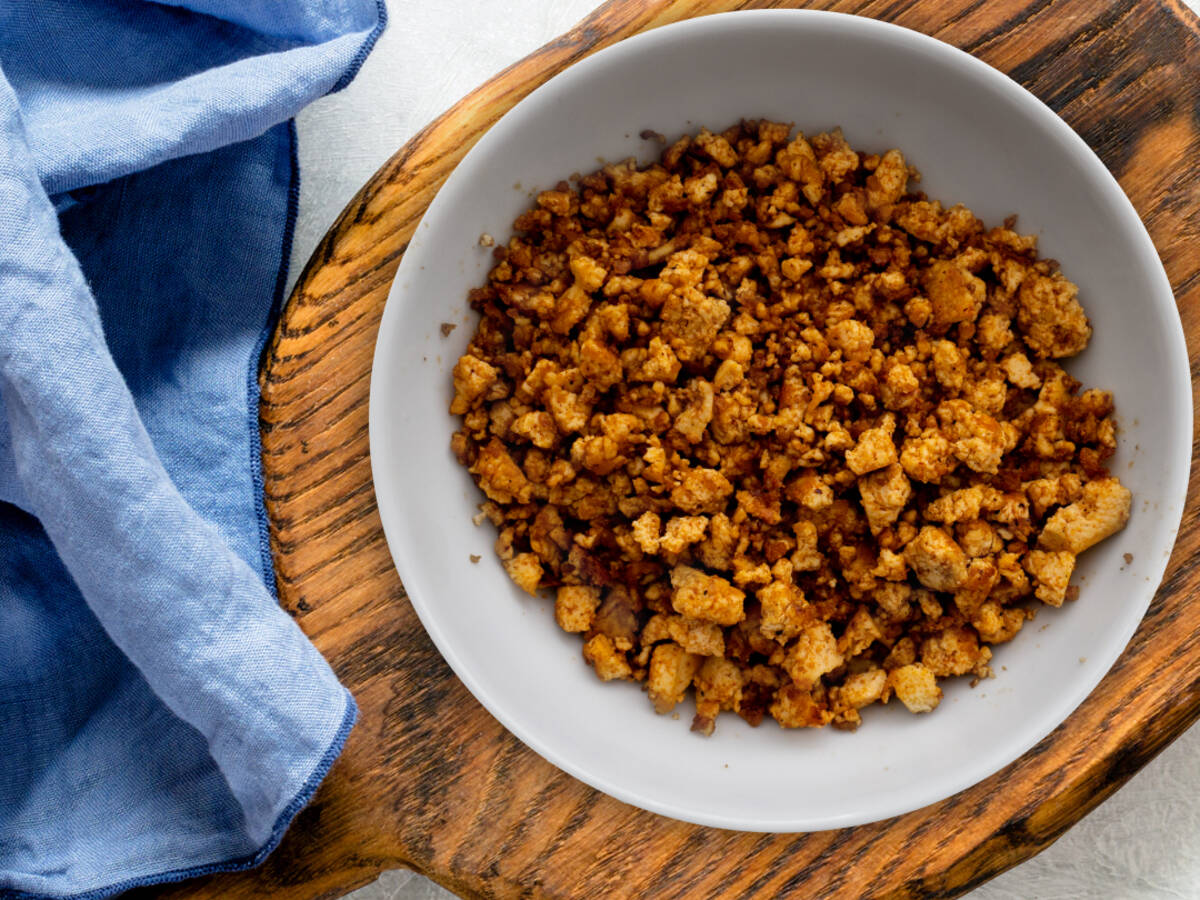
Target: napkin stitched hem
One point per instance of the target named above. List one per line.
(365, 50)
(273, 314)
(236, 865)
(276, 310)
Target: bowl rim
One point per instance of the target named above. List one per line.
(388, 492)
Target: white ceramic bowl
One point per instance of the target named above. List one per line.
(979, 139)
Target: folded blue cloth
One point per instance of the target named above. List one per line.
(160, 716)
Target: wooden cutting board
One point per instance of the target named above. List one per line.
(431, 781)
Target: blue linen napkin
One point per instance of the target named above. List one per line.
(160, 716)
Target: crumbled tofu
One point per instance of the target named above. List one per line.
(671, 672)
(860, 633)
(900, 387)
(1051, 319)
(599, 364)
(813, 654)
(692, 635)
(777, 432)
(838, 161)
(646, 530)
(575, 607)
(473, 378)
(806, 557)
(569, 410)
(888, 183)
(954, 651)
(978, 439)
(1044, 493)
(884, 495)
(939, 563)
(602, 654)
(890, 565)
(1102, 511)
(874, 450)
(659, 364)
(682, 532)
(794, 707)
(853, 338)
(810, 491)
(1019, 371)
(597, 453)
(927, 457)
(916, 687)
(701, 491)
(537, 427)
(693, 420)
(730, 374)
(863, 688)
(995, 624)
(691, 321)
(717, 148)
(1051, 571)
(949, 365)
(720, 680)
(962, 505)
(977, 538)
(785, 612)
(955, 295)
(500, 476)
(709, 598)
(526, 570)
(798, 162)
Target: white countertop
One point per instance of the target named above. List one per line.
(1142, 844)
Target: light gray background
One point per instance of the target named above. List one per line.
(1142, 844)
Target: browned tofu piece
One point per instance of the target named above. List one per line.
(575, 607)
(916, 687)
(708, 598)
(954, 293)
(884, 495)
(1049, 315)
(812, 654)
(1102, 511)
(671, 672)
(937, 560)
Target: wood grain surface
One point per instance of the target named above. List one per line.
(430, 780)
